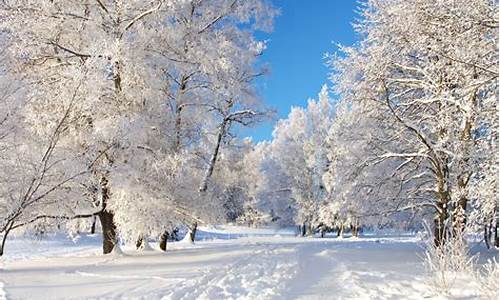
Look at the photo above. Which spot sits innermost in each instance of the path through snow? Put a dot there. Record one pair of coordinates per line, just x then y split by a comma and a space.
239, 266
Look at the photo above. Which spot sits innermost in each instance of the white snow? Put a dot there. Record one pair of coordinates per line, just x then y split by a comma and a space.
3, 295
227, 263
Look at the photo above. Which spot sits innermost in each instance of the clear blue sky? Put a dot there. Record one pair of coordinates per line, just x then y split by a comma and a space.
303, 32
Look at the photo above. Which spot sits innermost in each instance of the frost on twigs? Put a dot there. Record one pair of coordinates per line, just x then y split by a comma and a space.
487, 280
450, 265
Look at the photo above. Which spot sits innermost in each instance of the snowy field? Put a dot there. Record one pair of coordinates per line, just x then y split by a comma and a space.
226, 263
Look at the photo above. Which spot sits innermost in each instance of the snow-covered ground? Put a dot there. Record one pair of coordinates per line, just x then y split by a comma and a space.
227, 263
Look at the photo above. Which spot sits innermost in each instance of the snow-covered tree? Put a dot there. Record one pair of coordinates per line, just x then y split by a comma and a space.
430, 96
37, 173
113, 66
268, 188
86, 58
299, 150
208, 53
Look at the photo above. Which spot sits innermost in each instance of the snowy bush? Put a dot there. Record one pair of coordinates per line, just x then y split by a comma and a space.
487, 280
449, 264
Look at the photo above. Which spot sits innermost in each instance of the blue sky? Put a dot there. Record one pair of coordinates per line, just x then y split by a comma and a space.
303, 32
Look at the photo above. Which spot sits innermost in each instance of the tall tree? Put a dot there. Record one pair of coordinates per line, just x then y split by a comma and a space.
434, 89
299, 148
95, 45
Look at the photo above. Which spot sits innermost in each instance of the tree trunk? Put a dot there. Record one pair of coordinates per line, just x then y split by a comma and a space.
2, 245
490, 231
341, 231
177, 143
179, 106
439, 227
442, 211
213, 159
496, 233
139, 242
486, 236
356, 227
303, 229
459, 217
106, 217
7, 229
108, 232
4, 239
192, 232
163, 241
310, 230
92, 227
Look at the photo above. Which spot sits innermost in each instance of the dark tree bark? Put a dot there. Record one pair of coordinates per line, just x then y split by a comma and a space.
108, 231
2, 245
178, 118
441, 213
487, 236
354, 230
490, 231
213, 158
356, 227
439, 229
106, 217
163, 241
6, 232
459, 210
459, 217
496, 233
139, 242
92, 227
242, 117
192, 232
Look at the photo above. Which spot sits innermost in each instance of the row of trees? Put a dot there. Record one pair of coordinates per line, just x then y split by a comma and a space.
121, 110
424, 82
127, 111
414, 132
